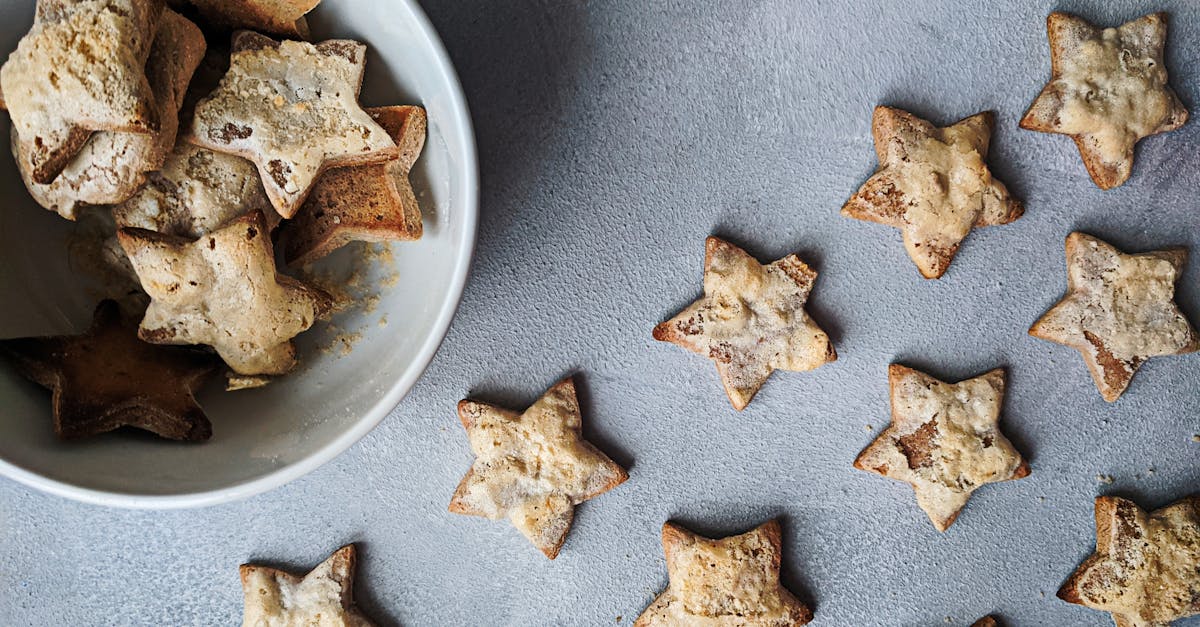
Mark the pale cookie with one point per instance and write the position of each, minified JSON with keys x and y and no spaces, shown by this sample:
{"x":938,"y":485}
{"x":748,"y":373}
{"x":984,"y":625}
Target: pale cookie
{"x":81,"y":68}
{"x":944,"y":440}
{"x":1119,"y":310}
{"x":1146,"y":568}
{"x":112,"y":164}
{"x":325,"y":596}
{"x":222,"y":290}
{"x":284,"y":18}
{"x":1108,"y":89}
{"x":731,"y":582}
{"x":751,"y":320}
{"x":532,"y":467}
{"x":933,"y":184}
{"x":197,"y":191}
{"x":368,"y":203}
{"x":292,"y":108}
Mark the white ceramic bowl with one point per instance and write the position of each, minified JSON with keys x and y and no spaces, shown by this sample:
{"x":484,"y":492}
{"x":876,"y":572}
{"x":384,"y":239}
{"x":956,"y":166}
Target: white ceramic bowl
{"x":261,"y":438}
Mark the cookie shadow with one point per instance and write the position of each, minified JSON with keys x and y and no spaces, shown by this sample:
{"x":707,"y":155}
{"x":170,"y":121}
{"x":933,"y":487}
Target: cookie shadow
{"x":600,"y":437}
{"x":365,"y":596}
{"x":518,"y":68}
{"x":791,"y":575}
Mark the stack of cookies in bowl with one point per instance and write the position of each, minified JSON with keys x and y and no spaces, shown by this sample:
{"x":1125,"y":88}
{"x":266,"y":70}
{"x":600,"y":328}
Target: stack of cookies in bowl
{"x":202,"y":142}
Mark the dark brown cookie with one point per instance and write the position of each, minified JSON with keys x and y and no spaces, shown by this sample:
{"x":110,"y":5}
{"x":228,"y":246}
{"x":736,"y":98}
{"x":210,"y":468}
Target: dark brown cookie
{"x":368,"y":203}
{"x":107,"y":378}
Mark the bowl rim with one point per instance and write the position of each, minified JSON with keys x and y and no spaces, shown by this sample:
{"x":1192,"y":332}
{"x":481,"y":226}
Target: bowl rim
{"x":469,"y":191}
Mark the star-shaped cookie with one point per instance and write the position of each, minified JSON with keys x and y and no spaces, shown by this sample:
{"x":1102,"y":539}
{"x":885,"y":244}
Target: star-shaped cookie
{"x":81,"y":68}
{"x":370,"y":203}
{"x":325,"y":596}
{"x":1146,"y":568}
{"x":223,"y":290}
{"x":730,"y":581}
{"x":933,"y":184}
{"x":112,"y":165}
{"x":1119,"y":310}
{"x":944,"y":440}
{"x":284,"y":18}
{"x":533,"y":467}
{"x":751,"y":320}
{"x":1108,"y":89}
{"x":292,"y":108}
{"x":107,"y":378}
{"x":196,"y":191}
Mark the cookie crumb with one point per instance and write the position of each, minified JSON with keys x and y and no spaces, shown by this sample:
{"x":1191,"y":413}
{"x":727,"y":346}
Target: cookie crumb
{"x":235,"y":381}
{"x":1196,"y":438}
{"x":869,"y":427}
{"x":1105,"y":479}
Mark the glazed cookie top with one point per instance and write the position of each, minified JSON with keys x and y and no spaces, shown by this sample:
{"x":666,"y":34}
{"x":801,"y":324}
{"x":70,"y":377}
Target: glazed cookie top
{"x":533,"y":467}
{"x":751,"y":320}
{"x":111,"y":166}
{"x":372,"y":203}
{"x":81,"y":68}
{"x":1108,"y":90}
{"x":222,"y":290}
{"x":730,"y":581}
{"x":292,"y":108}
{"x":944,"y":440}
{"x":196,"y":191}
{"x":325,"y":596}
{"x":1144,"y":570}
{"x":1119,"y":310}
{"x":933,"y":184}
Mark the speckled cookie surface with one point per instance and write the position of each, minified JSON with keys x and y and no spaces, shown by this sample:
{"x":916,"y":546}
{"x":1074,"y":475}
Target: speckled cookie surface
{"x":1146,"y":568}
{"x":324,"y":597}
{"x":944,"y":440}
{"x":81,"y":68}
{"x":728,"y":582}
{"x":751,"y":320}
{"x":196,"y":191}
{"x":292,"y":108}
{"x":933,"y":184}
{"x":1119,"y":311}
{"x":1108,"y":89}
{"x":111,"y":166}
{"x":532,"y":467}
{"x":370,"y":203}
{"x":222,"y":290}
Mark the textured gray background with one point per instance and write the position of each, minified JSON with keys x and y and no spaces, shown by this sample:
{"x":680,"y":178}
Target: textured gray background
{"x":614,"y":136}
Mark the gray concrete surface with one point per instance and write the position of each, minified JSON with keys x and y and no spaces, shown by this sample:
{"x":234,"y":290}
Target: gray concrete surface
{"x":614,"y":137}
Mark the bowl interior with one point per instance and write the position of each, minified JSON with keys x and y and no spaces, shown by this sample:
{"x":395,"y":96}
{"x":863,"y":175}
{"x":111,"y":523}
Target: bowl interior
{"x":263,"y":437}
